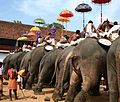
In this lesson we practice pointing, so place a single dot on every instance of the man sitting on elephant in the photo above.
(63, 42)
(90, 30)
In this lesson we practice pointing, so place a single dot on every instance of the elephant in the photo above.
(59, 64)
(113, 69)
(5, 66)
(14, 59)
(35, 58)
(89, 62)
(46, 69)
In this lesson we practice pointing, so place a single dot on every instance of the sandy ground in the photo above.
(30, 97)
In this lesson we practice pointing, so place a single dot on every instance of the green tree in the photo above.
(57, 25)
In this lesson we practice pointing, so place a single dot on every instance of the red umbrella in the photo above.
(101, 2)
(66, 13)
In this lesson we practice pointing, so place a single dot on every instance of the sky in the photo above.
(28, 10)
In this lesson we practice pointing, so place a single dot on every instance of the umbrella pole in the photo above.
(101, 13)
(83, 20)
(62, 30)
(66, 27)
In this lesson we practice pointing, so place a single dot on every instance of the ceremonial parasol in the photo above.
(63, 19)
(39, 21)
(22, 38)
(66, 14)
(53, 31)
(101, 2)
(35, 29)
(83, 8)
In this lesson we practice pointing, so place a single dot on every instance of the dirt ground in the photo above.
(30, 97)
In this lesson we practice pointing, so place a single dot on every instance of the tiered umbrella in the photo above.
(101, 2)
(63, 19)
(35, 29)
(83, 8)
(33, 32)
(39, 21)
(53, 31)
(67, 14)
(22, 38)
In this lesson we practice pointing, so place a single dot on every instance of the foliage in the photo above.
(57, 25)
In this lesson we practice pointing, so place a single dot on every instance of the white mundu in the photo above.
(0, 71)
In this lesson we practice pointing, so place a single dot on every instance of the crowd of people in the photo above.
(107, 30)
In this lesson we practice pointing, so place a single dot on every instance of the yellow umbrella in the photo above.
(35, 29)
(63, 19)
(22, 38)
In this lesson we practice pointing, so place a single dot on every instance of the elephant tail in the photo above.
(69, 56)
(118, 66)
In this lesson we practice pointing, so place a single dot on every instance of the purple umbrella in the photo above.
(53, 32)
(83, 8)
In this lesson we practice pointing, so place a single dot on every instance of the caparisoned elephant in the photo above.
(88, 60)
(113, 71)
(59, 65)
(14, 59)
(46, 69)
(35, 58)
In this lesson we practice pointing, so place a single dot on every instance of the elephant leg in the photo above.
(94, 91)
(25, 80)
(29, 82)
(89, 81)
(113, 86)
(38, 88)
(58, 91)
(74, 81)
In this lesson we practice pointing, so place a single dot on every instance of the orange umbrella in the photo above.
(32, 33)
(63, 19)
(66, 13)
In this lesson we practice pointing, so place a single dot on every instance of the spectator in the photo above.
(12, 84)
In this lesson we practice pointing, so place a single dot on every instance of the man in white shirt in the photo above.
(90, 30)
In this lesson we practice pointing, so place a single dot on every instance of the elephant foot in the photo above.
(56, 97)
(81, 96)
(38, 91)
(71, 93)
